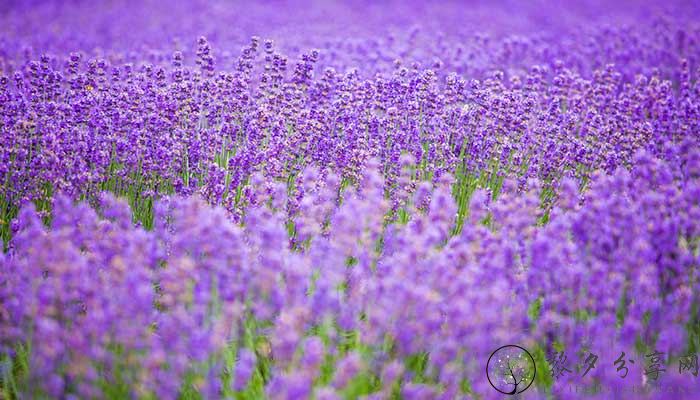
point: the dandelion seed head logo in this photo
(511, 369)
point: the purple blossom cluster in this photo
(80, 125)
(153, 307)
(336, 216)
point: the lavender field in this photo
(299, 199)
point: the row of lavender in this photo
(374, 218)
(235, 311)
(470, 38)
(83, 126)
